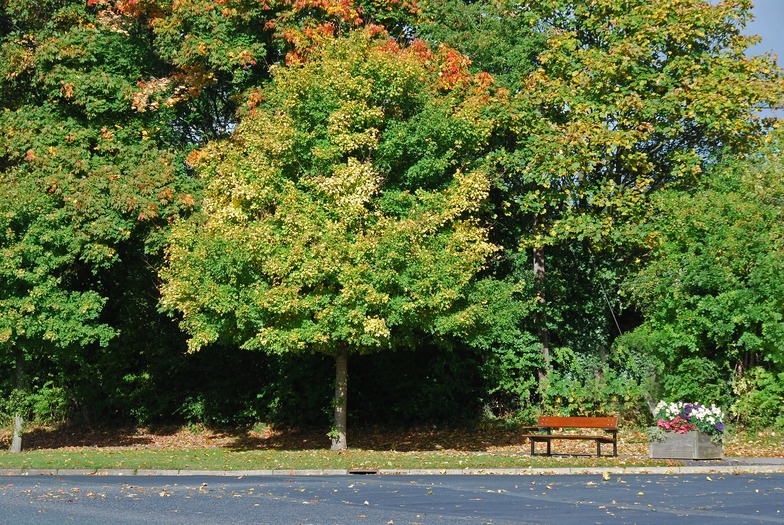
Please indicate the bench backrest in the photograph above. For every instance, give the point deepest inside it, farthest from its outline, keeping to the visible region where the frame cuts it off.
(609, 423)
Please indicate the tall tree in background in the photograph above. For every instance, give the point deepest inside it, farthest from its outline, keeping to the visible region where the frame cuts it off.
(499, 37)
(82, 174)
(341, 214)
(617, 109)
(217, 53)
(712, 288)
(608, 108)
(43, 310)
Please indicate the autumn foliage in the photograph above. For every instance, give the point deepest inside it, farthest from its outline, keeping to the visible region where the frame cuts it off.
(377, 178)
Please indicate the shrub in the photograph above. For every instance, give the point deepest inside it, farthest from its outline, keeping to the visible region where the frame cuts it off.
(759, 401)
(698, 378)
(47, 404)
(588, 384)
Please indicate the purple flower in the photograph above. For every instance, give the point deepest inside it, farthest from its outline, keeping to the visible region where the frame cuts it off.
(720, 427)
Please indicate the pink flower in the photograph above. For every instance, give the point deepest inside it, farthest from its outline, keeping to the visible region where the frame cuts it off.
(677, 424)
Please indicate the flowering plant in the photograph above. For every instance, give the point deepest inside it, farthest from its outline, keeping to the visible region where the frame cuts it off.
(684, 417)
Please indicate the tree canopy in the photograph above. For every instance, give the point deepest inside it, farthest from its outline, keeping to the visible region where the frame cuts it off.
(710, 288)
(343, 208)
(82, 173)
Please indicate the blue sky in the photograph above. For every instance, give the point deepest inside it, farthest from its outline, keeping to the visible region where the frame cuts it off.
(769, 24)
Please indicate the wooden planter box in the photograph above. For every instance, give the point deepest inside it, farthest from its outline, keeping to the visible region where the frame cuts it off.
(691, 445)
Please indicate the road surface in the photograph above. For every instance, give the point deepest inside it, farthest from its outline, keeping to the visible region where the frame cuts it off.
(393, 500)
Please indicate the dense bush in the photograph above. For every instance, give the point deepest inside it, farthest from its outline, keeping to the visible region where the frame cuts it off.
(759, 399)
(592, 384)
(698, 380)
(46, 405)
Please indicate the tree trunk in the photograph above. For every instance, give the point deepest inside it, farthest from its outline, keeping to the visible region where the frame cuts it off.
(16, 441)
(338, 433)
(541, 312)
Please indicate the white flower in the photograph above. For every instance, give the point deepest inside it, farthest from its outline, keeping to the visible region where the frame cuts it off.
(706, 418)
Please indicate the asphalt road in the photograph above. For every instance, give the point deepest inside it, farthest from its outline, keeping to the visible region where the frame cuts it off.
(393, 500)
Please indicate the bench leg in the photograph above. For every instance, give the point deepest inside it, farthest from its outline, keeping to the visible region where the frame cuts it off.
(533, 448)
(599, 448)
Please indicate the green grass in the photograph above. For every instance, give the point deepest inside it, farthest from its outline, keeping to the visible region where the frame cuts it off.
(471, 448)
(224, 459)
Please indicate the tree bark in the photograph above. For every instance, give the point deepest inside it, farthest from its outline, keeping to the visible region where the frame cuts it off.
(541, 313)
(16, 440)
(338, 433)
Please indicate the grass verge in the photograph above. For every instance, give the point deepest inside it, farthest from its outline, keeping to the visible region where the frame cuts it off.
(223, 459)
(267, 449)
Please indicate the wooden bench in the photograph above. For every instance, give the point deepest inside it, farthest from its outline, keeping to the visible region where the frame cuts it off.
(546, 424)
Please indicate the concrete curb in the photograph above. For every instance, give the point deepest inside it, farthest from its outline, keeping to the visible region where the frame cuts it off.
(708, 469)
